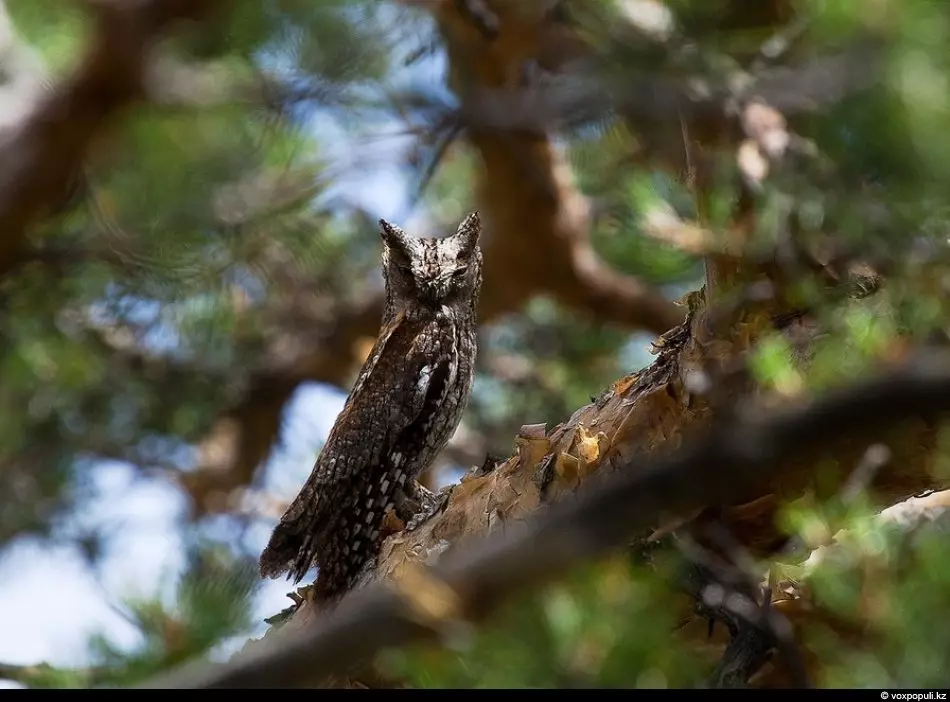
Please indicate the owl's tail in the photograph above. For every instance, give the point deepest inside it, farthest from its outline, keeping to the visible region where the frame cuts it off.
(303, 540)
(293, 545)
(286, 545)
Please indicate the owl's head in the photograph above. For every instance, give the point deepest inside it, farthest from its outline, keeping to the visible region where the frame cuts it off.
(432, 272)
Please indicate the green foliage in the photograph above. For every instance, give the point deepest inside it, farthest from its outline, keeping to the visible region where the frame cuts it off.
(544, 364)
(58, 31)
(604, 627)
(190, 210)
(210, 602)
(890, 585)
(622, 195)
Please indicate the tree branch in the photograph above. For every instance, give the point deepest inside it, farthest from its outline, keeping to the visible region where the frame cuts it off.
(536, 217)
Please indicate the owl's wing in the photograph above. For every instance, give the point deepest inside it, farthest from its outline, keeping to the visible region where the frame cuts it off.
(387, 414)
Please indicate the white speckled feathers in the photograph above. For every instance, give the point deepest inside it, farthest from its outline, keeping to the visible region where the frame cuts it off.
(404, 407)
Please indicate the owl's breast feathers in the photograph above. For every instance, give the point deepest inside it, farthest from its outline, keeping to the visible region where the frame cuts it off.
(403, 408)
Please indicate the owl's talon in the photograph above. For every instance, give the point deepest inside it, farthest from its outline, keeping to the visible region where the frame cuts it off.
(419, 505)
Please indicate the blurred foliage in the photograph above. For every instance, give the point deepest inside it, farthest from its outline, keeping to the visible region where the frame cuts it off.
(209, 228)
(881, 588)
(541, 366)
(608, 626)
(209, 603)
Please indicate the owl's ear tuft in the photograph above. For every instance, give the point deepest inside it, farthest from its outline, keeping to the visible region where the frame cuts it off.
(469, 231)
(392, 236)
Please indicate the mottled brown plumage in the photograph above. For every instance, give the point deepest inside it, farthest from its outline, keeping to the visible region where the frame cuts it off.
(405, 405)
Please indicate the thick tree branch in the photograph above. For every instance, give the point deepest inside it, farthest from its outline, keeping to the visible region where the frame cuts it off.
(536, 217)
(730, 463)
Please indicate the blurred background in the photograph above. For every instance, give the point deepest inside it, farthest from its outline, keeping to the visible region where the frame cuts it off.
(184, 321)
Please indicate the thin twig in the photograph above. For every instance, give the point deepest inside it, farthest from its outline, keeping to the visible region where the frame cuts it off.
(755, 628)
